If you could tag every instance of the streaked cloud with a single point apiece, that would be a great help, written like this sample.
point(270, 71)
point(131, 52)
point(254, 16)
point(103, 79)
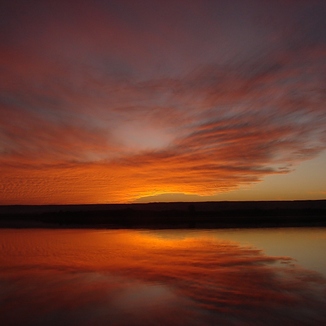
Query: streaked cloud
point(134, 101)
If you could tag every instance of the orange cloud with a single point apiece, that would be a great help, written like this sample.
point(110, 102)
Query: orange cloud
point(218, 143)
point(89, 112)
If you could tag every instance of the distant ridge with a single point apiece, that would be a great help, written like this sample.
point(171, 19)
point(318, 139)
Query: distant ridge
point(168, 215)
point(158, 206)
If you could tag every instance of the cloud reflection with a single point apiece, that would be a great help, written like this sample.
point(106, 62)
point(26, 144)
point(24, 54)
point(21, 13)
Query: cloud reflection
point(127, 277)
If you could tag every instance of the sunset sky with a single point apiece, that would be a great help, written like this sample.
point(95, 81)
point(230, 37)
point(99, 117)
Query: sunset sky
point(138, 101)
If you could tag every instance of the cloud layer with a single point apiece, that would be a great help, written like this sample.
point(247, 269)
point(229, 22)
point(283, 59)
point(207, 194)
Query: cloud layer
point(112, 102)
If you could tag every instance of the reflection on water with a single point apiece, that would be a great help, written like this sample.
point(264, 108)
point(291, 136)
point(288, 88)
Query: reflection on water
point(96, 277)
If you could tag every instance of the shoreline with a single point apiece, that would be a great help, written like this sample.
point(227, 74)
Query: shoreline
point(192, 215)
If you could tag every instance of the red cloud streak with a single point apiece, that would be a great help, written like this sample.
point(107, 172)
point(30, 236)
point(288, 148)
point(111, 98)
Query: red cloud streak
point(105, 104)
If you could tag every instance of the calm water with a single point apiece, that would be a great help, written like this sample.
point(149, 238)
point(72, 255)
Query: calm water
point(117, 277)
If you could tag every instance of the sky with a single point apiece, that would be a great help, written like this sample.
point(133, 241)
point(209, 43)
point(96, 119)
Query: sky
point(140, 101)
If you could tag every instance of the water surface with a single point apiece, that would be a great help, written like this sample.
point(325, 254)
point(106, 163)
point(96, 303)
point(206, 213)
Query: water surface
point(166, 277)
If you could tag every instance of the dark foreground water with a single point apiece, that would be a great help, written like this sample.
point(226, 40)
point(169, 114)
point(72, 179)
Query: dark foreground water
point(170, 277)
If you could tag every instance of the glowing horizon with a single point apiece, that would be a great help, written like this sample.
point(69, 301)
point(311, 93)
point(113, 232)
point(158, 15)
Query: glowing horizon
point(117, 102)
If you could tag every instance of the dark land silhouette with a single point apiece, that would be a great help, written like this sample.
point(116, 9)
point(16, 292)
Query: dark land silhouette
point(168, 215)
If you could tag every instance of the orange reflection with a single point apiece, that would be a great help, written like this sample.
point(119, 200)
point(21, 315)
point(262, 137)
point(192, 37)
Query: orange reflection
point(92, 277)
